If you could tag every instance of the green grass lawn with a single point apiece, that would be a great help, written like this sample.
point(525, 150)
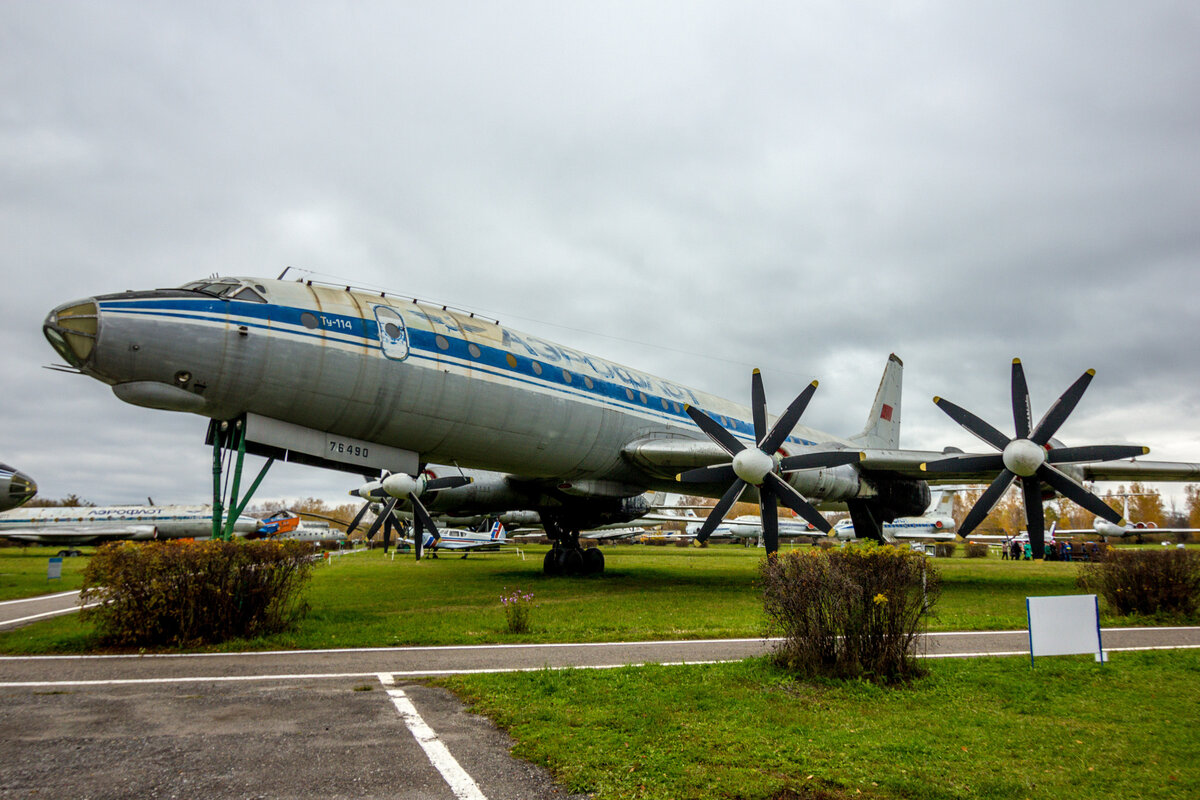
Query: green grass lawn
point(369, 600)
point(989, 728)
point(23, 572)
point(646, 593)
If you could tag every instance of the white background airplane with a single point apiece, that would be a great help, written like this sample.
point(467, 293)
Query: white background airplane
point(936, 525)
point(71, 526)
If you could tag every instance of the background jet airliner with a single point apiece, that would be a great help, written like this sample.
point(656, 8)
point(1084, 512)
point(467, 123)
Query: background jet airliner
point(934, 525)
point(1104, 528)
point(71, 526)
point(16, 488)
point(365, 381)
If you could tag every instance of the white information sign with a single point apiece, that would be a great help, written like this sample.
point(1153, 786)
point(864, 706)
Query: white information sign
point(54, 570)
point(1064, 625)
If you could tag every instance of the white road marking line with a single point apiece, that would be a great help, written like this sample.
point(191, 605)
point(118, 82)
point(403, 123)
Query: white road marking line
point(531, 646)
point(462, 784)
point(38, 597)
point(43, 615)
point(433, 673)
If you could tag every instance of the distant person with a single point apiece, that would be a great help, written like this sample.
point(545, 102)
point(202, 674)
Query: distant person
point(1027, 550)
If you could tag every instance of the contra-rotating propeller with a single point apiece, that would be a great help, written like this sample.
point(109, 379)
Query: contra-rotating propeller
point(397, 487)
point(1030, 457)
point(761, 466)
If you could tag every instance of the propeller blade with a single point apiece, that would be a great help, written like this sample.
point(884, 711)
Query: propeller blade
point(965, 464)
point(1097, 452)
point(421, 520)
point(1062, 408)
point(787, 495)
point(448, 482)
point(715, 431)
point(829, 458)
point(983, 505)
point(720, 509)
point(388, 527)
point(783, 425)
point(379, 520)
point(1071, 490)
point(1035, 517)
point(972, 423)
point(717, 473)
point(1022, 414)
point(768, 508)
point(357, 518)
point(758, 405)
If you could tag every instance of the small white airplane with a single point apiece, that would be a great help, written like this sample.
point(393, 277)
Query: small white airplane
point(936, 525)
point(463, 541)
point(16, 488)
point(72, 526)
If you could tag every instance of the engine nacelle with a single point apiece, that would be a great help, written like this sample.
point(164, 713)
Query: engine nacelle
point(895, 498)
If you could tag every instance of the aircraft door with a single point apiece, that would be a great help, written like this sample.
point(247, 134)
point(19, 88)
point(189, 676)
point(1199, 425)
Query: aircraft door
point(393, 335)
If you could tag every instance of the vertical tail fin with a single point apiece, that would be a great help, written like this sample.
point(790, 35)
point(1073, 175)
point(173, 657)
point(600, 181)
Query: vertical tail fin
point(883, 426)
point(498, 531)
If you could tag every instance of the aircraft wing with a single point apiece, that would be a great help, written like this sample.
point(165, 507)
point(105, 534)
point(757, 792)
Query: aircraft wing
point(908, 463)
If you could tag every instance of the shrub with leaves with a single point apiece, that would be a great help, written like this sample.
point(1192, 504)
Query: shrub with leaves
point(1160, 581)
point(852, 612)
point(976, 550)
point(518, 609)
point(187, 593)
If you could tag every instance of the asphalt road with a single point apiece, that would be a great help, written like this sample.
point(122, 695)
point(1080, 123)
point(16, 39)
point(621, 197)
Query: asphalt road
point(333, 723)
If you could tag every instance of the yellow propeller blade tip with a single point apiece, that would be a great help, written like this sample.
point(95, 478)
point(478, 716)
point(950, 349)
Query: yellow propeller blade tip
point(937, 399)
point(815, 382)
point(1092, 372)
point(757, 371)
point(1016, 361)
point(1145, 451)
point(679, 476)
point(922, 467)
point(862, 456)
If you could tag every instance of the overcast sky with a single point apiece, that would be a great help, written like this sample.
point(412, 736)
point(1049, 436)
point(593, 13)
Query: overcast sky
point(693, 189)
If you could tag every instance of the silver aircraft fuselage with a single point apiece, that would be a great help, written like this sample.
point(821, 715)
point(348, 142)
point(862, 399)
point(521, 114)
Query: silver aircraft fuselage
point(81, 525)
point(444, 384)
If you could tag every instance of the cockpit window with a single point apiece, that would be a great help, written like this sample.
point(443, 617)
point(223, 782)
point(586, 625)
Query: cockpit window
point(249, 295)
point(232, 289)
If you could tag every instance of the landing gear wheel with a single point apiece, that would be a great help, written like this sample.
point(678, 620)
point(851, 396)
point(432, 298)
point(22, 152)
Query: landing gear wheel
point(570, 562)
point(593, 561)
point(550, 563)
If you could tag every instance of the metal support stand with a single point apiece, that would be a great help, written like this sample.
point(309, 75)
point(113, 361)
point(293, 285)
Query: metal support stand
point(226, 435)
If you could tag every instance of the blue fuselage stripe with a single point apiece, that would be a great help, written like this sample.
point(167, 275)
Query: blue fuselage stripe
point(424, 346)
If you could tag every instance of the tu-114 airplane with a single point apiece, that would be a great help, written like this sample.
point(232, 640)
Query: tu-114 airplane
point(368, 382)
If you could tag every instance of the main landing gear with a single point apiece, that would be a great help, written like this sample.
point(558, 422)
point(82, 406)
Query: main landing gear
point(566, 557)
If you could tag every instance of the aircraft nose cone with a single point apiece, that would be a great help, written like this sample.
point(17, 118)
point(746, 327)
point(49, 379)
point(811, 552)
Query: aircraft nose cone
point(72, 330)
point(21, 488)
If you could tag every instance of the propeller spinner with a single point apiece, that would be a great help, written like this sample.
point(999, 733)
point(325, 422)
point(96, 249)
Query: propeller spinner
point(761, 466)
point(1029, 457)
point(397, 487)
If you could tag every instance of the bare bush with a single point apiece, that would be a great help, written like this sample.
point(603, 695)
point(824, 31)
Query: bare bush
point(1163, 581)
point(182, 593)
point(852, 612)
